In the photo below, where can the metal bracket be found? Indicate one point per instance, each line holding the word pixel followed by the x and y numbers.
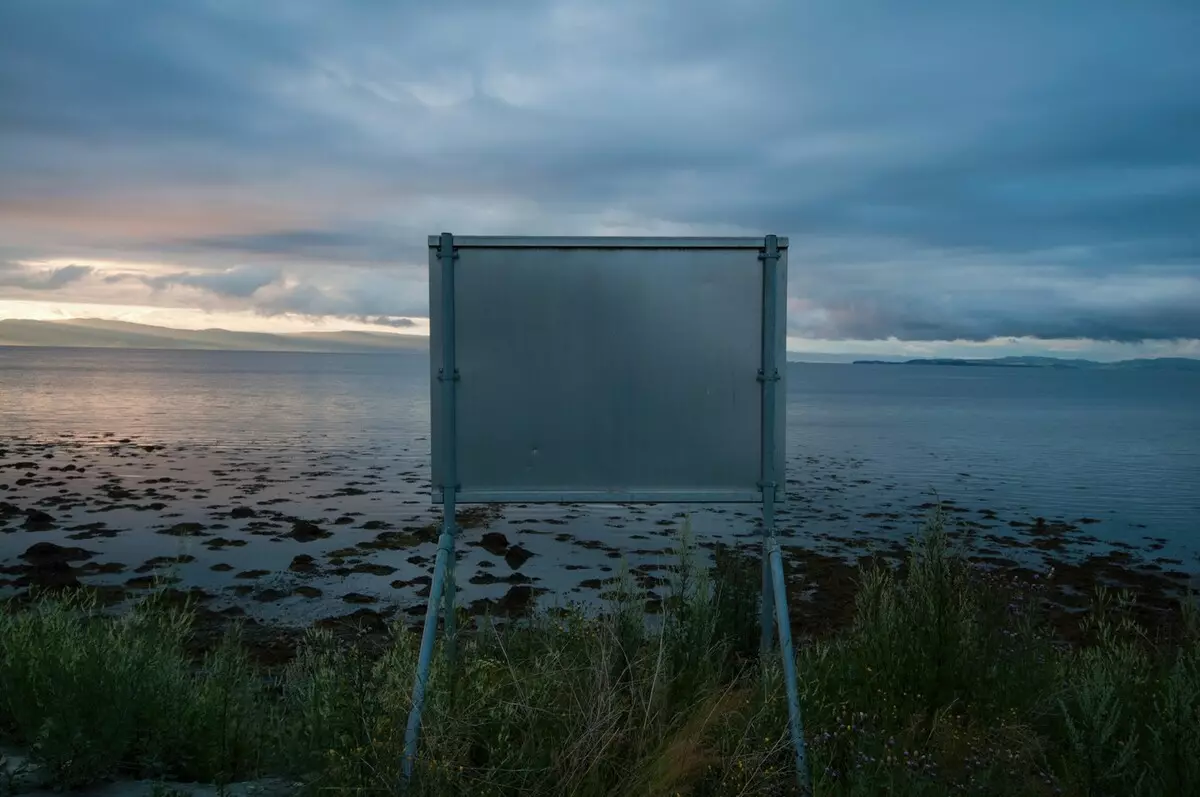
pixel 767 485
pixel 774 376
pixel 770 250
pixel 442 375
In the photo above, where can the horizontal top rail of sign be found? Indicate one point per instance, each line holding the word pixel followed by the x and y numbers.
pixel 600 242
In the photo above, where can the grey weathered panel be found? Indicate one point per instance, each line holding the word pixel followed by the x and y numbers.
pixel 607 369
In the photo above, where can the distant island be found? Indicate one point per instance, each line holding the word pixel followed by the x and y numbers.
pixel 96 333
pixel 1145 364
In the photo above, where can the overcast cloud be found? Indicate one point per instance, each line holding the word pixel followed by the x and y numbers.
pixel 944 170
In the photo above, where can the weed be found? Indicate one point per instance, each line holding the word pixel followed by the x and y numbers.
pixel 947 682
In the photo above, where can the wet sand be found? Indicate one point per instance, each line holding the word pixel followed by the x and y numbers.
pixel 285 539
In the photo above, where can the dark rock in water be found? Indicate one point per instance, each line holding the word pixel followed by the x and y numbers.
pixel 307 591
pixel 92 533
pixel 517 556
pixel 185 530
pixel 473 517
pixel 421 580
pixel 518 600
pixel 48 567
pixel 37 520
pixel 147 581
pixel 221 567
pixel 304 531
pixel 391 540
pixel 102 568
pixel 375 525
pixel 49 576
pixel 96 526
pixel 242 512
pixel 303 564
pixel 47 553
pixel 8 510
pixel 217 543
pixel 343 520
pixel 270 595
pixel 494 543
pixel 253 574
pixel 358 597
pixel 373 569
pixel 476 608
pixel 160 562
pixel 484 577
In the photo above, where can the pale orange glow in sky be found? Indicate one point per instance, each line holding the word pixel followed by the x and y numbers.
pixel 187 318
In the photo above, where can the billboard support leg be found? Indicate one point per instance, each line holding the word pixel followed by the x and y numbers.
pixel 443 568
pixel 795 723
pixel 774 595
pixel 767 616
pixel 450 621
pixel 428 637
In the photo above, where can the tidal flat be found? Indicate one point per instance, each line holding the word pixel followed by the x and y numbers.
pixel 286 539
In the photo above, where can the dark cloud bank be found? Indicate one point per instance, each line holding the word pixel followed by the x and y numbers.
pixel 13 275
pixel 945 171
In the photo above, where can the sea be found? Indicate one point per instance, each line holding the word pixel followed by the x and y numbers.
pixel 142 456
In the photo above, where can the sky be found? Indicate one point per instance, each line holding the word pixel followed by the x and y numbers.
pixel 955 178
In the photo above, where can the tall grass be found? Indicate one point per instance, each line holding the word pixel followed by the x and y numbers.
pixel 947 682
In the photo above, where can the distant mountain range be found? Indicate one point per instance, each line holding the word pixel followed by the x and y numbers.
pixel 1147 364
pixel 95 333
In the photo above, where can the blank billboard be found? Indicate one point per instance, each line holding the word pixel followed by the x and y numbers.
pixel 607 369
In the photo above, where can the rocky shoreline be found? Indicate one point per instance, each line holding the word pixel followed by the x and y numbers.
pixel 280 546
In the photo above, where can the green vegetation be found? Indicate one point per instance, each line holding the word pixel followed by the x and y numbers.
pixel 948 682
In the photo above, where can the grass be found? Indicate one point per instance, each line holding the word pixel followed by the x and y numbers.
pixel 947 682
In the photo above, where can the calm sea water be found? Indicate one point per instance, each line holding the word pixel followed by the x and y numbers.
pixel 1122 448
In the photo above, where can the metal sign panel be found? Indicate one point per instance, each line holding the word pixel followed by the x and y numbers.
pixel 607 369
